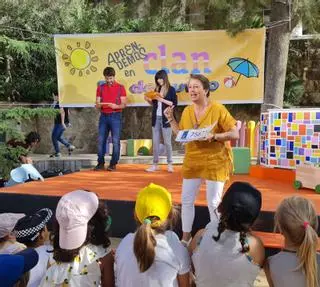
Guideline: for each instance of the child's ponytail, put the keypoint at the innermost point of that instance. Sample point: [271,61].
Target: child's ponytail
[297,220]
[307,255]
[144,245]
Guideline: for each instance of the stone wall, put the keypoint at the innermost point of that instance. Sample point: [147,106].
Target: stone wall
[136,124]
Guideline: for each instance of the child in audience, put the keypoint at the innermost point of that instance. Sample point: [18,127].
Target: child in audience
[81,255]
[14,268]
[298,263]
[32,231]
[8,243]
[225,254]
[153,255]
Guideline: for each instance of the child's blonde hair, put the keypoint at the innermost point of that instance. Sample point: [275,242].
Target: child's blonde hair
[145,242]
[297,220]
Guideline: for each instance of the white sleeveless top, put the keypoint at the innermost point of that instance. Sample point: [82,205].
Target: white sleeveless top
[171,259]
[283,271]
[221,263]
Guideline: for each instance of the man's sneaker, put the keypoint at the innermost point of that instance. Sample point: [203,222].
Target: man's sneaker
[152,168]
[56,154]
[71,148]
[99,166]
[170,168]
[111,168]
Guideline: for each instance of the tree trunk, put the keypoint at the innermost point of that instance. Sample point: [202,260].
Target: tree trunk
[182,11]
[277,55]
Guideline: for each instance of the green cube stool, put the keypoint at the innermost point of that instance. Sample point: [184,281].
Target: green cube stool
[241,160]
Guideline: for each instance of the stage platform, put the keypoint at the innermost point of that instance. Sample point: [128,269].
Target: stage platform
[119,190]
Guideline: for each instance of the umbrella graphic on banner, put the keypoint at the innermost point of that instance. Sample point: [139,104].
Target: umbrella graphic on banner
[243,67]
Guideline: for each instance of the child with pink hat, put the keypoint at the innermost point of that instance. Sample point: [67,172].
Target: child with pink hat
[81,255]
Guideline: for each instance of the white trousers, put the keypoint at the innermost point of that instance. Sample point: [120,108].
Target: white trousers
[190,189]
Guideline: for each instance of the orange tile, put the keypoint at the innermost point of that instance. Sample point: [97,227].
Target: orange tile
[302,130]
[307,116]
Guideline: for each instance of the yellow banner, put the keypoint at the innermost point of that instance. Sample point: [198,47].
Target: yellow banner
[234,65]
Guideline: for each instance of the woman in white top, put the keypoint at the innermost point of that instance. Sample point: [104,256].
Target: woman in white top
[81,255]
[160,125]
[224,254]
[152,256]
[298,264]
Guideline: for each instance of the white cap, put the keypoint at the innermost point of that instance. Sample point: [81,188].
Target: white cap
[73,213]
[8,222]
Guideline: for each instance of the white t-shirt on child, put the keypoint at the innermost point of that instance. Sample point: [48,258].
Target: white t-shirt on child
[221,263]
[39,271]
[171,259]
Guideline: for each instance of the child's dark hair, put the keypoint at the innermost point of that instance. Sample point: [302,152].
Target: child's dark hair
[97,234]
[239,208]
[229,221]
[32,137]
[109,72]
[145,242]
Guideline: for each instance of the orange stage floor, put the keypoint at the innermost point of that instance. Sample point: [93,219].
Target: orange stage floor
[124,184]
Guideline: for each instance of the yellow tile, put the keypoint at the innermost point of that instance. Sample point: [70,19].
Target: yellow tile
[277,123]
[299,116]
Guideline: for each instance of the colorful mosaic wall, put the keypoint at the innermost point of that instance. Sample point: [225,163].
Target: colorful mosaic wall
[290,137]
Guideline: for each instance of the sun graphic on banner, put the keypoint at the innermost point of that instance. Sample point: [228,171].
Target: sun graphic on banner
[80,59]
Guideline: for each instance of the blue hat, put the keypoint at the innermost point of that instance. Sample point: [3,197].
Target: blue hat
[13,266]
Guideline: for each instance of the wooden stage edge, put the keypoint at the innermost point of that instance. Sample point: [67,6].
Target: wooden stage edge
[127,180]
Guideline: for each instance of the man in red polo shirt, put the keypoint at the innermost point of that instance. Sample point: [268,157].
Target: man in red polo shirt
[111,99]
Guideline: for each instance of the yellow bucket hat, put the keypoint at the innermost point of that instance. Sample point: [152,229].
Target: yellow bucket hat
[153,200]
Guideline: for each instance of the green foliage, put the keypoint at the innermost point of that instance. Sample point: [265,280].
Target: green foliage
[27,61]
[9,122]
[294,89]
[234,16]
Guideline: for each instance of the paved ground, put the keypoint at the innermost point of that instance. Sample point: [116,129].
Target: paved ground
[261,280]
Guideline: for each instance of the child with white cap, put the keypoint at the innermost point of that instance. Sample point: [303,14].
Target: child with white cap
[82,256]
[8,243]
[153,255]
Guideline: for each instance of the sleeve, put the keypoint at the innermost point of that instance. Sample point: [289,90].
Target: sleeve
[123,92]
[182,255]
[173,96]
[98,92]
[226,121]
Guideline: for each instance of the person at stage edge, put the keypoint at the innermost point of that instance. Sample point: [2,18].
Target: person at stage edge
[61,122]
[159,121]
[210,159]
[110,99]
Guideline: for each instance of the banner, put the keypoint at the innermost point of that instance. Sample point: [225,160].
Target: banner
[234,65]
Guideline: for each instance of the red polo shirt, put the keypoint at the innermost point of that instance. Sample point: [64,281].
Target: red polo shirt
[110,94]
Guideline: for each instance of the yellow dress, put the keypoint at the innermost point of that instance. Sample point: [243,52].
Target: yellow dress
[204,159]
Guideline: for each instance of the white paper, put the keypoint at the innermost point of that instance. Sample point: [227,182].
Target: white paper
[184,136]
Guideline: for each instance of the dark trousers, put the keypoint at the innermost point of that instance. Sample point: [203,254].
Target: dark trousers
[109,122]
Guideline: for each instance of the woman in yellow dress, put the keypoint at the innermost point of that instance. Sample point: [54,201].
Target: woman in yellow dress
[210,159]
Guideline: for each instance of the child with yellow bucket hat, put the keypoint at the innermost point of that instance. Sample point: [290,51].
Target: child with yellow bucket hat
[153,255]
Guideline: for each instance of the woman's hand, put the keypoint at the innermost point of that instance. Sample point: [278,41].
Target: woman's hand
[210,137]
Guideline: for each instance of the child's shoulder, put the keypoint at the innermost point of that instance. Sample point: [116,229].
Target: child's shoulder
[256,249]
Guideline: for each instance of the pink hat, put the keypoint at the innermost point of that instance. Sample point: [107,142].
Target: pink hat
[8,222]
[73,213]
